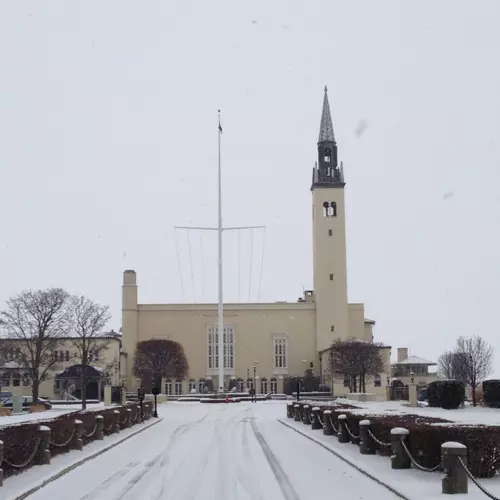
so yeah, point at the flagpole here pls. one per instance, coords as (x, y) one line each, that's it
(220, 328)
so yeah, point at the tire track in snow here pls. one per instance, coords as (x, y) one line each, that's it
(280, 475)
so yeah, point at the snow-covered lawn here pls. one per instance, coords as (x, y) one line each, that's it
(469, 414)
(45, 415)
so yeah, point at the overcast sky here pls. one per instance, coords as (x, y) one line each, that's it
(108, 138)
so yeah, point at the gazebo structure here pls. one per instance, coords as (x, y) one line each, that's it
(72, 377)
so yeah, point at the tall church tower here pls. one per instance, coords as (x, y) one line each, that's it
(329, 238)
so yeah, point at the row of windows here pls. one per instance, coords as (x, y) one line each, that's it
(377, 381)
(65, 356)
(280, 349)
(14, 379)
(329, 209)
(175, 388)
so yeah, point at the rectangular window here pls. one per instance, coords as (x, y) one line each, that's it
(178, 387)
(331, 276)
(280, 352)
(213, 347)
(168, 388)
(330, 232)
(274, 386)
(347, 381)
(67, 355)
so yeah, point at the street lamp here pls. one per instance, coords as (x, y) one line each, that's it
(254, 382)
(155, 392)
(412, 377)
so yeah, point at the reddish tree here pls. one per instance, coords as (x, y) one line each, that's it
(357, 359)
(159, 358)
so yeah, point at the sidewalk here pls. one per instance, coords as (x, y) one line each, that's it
(411, 484)
(20, 486)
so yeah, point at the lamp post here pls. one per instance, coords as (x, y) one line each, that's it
(412, 377)
(248, 378)
(155, 392)
(254, 381)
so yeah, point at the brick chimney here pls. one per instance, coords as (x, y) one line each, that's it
(402, 353)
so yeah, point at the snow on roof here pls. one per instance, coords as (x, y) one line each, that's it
(11, 364)
(414, 360)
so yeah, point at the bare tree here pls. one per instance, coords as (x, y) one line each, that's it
(88, 320)
(357, 359)
(35, 324)
(451, 366)
(476, 356)
(159, 358)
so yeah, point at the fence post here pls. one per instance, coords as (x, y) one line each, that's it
(455, 480)
(116, 415)
(366, 443)
(305, 415)
(343, 434)
(399, 458)
(297, 413)
(289, 409)
(315, 423)
(76, 442)
(43, 454)
(327, 423)
(138, 419)
(1, 460)
(128, 418)
(100, 427)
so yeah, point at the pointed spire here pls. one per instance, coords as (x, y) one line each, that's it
(326, 127)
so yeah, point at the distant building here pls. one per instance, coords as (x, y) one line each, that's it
(274, 340)
(405, 365)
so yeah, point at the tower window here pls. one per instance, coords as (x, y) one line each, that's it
(330, 232)
(333, 209)
(326, 209)
(332, 328)
(331, 276)
(327, 156)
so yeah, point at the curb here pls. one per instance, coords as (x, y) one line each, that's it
(346, 460)
(71, 467)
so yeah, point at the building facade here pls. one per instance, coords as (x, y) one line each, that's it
(272, 341)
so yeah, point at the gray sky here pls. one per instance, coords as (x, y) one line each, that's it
(108, 127)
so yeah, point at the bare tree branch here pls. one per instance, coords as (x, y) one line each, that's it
(35, 322)
(476, 359)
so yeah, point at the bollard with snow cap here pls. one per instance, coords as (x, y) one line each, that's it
(343, 435)
(366, 444)
(328, 429)
(399, 457)
(315, 418)
(452, 456)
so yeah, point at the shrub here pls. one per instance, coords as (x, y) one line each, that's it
(447, 394)
(491, 393)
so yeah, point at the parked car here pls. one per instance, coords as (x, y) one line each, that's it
(26, 402)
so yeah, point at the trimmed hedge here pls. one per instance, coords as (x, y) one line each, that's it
(427, 434)
(491, 393)
(21, 439)
(447, 394)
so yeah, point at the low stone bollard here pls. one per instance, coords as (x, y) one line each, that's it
(343, 435)
(296, 415)
(455, 480)
(128, 418)
(43, 453)
(327, 423)
(399, 457)
(1, 460)
(315, 422)
(289, 409)
(305, 414)
(100, 427)
(116, 416)
(366, 444)
(76, 442)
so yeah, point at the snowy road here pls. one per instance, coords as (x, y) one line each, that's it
(223, 452)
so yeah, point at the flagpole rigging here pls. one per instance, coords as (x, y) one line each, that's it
(220, 328)
(220, 229)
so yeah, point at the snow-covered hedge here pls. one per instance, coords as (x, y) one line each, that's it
(426, 435)
(21, 441)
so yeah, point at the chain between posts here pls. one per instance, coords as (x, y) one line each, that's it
(415, 463)
(31, 457)
(63, 445)
(475, 481)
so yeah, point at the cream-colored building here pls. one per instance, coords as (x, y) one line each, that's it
(277, 340)
(63, 376)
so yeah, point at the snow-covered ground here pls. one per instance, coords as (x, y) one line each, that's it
(469, 414)
(220, 452)
(55, 412)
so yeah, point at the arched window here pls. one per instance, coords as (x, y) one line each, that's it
(249, 384)
(201, 385)
(377, 382)
(274, 386)
(192, 385)
(178, 387)
(263, 385)
(168, 387)
(241, 384)
(332, 210)
(325, 209)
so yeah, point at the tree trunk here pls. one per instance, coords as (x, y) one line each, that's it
(35, 386)
(474, 402)
(83, 389)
